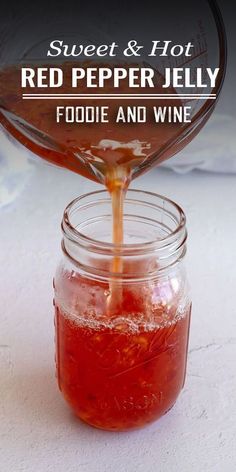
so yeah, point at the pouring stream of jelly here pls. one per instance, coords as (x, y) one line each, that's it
(109, 154)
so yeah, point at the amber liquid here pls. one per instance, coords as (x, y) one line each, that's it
(124, 372)
(113, 377)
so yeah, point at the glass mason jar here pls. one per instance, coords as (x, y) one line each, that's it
(122, 337)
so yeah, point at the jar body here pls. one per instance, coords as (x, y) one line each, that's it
(124, 369)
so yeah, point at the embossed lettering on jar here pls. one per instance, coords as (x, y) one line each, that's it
(121, 338)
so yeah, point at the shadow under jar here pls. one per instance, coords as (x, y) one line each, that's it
(120, 369)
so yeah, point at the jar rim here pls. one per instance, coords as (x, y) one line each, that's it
(179, 233)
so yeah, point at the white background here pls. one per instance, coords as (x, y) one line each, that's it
(37, 430)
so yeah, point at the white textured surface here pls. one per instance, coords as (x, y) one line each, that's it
(15, 168)
(37, 431)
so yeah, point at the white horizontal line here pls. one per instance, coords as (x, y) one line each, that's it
(114, 98)
(118, 94)
(117, 97)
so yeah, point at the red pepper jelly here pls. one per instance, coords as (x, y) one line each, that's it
(120, 368)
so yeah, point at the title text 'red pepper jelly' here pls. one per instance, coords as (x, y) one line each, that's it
(121, 363)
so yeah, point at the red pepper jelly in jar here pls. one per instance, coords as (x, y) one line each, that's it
(122, 338)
